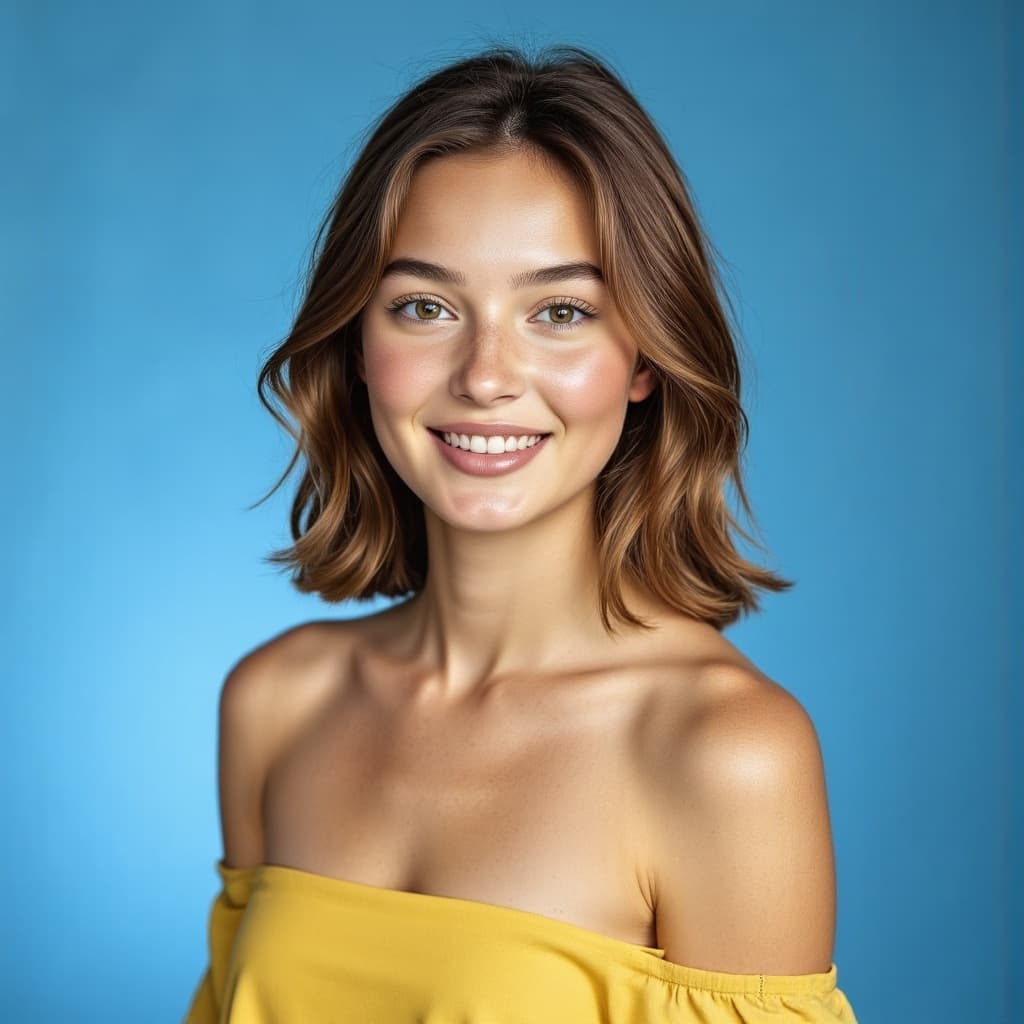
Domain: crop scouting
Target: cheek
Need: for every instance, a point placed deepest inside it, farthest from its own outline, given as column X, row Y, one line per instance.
column 591, row 391
column 397, row 377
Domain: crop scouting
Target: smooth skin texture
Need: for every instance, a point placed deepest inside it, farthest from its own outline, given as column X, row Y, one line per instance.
column 487, row 739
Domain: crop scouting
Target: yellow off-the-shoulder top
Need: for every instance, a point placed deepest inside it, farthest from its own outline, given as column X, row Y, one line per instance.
column 287, row 945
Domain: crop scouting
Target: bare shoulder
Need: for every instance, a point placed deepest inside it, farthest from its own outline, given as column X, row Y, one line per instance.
column 744, row 730
column 724, row 728
column 283, row 679
column 280, row 667
column 744, row 876
column 264, row 699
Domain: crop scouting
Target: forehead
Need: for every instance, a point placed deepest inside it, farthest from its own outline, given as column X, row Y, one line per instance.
column 509, row 207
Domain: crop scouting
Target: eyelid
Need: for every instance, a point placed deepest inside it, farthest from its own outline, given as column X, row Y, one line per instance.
column 566, row 300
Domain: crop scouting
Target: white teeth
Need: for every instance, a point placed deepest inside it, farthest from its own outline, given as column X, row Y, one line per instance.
column 493, row 445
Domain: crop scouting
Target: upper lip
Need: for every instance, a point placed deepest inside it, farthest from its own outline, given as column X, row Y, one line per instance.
column 487, row 429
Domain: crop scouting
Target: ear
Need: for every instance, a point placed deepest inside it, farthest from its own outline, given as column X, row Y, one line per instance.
column 643, row 382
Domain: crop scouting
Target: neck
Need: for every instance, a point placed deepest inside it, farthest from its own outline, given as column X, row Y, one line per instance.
column 508, row 602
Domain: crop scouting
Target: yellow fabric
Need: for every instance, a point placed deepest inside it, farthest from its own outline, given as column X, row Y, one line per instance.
column 288, row 945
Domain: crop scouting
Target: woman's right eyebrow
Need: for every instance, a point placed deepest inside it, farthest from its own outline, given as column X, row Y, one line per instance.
column 574, row 269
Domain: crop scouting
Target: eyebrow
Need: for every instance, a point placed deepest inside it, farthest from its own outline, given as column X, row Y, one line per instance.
column 542, row 275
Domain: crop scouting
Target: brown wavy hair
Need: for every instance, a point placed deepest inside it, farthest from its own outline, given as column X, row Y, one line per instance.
column 661, row 514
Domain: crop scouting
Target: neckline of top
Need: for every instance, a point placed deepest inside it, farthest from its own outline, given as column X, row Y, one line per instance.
column 648, row 958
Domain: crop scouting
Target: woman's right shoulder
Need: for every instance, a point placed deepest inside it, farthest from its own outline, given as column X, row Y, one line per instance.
column 296, row 669
column 291, row 664
column 267, row 698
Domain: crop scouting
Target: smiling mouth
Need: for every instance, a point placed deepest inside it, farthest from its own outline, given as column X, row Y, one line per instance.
column 495, row 444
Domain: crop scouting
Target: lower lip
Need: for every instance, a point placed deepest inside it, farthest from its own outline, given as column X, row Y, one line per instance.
column 487, row 465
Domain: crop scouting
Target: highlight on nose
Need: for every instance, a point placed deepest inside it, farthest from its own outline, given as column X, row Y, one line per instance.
column 487, row 368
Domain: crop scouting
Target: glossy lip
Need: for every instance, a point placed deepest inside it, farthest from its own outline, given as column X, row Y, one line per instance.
column 480, row 464
column 488, row 429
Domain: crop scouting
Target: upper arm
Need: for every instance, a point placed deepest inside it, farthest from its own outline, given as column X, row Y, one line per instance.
column 240, row 761
column 745, row 875
column 253, row 716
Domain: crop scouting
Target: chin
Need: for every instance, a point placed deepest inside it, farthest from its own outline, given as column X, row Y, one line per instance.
column 482, row 516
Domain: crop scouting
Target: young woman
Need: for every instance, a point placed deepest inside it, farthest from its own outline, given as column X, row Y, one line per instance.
column 544, row 787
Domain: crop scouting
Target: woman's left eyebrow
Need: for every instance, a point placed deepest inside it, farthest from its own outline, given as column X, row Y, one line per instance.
column 574, row 269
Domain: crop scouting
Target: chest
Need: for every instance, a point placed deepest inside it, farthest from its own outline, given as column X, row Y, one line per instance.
column 531, row 800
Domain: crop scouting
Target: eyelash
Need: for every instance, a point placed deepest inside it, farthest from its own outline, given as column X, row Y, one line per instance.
column 584, row 307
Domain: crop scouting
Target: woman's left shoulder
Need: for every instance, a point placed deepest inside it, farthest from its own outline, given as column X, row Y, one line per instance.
column 740, row 848
column 722, row 718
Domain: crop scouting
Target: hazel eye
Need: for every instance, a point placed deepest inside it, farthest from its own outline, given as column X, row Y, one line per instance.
column 564, row 313
column 426, row 310
column 561, row 313
column 423, row 308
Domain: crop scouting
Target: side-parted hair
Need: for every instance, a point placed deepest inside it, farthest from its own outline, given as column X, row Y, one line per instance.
column 661, row 515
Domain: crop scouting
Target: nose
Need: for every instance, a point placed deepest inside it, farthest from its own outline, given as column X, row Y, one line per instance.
column 488, row 368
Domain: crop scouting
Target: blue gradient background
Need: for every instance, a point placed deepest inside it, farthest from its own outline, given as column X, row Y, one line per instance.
column 165, row 168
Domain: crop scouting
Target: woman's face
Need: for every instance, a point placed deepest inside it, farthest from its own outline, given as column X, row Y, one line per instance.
column 452, row 339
